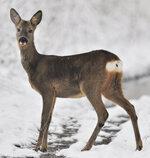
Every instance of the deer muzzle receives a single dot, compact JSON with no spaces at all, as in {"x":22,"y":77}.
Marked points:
{"x":23,"y":41}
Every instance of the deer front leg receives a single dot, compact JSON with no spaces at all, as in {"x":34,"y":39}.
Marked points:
{"x":48,"y":105}
{"x":45,"y":135}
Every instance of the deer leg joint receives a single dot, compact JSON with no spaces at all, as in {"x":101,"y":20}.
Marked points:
{"x":100,"y":124}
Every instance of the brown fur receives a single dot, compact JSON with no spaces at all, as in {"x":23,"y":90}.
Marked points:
{"x":70,"y":77}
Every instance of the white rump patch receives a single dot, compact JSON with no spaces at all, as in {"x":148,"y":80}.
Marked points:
{"x":115,"y":66}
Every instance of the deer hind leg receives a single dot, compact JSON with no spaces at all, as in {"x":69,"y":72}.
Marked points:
{"x":48,"y":105}
{"x":102,"y":114}
{"x":114,"y":93}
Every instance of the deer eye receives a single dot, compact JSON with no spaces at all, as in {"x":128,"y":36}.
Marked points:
{"x":18,"y":29}
{"x":30,"y":31}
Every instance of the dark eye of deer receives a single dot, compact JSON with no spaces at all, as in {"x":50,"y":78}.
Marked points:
{"x":18,"y":29}
{"x":30,"y":31}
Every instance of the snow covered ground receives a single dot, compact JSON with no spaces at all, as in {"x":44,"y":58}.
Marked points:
{"x":20,"y":109}
{"x":123,"y":144}
{"x":71,"y":27}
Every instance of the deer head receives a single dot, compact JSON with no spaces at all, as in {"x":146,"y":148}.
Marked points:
{"x":25,"y":29}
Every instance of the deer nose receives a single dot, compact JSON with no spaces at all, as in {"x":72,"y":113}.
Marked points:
{"x":23,"y":41}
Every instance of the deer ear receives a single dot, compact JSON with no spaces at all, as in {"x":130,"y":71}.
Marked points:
{"x":36,"y":18}
{"x":15,"y":17}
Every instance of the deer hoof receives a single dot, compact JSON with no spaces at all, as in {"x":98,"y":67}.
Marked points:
{"x":86,"y":148}
{"x":139,"y":146}
{"x":37,"y":148}
{"x":43,"y":149}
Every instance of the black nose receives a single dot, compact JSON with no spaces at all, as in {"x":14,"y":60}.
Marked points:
{"x":23,"y":40}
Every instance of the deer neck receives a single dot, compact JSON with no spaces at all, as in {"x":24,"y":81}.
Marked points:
{"x":29,"y":58}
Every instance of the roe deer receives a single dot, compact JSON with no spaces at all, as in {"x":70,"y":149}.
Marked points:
{"x":89,"y":74}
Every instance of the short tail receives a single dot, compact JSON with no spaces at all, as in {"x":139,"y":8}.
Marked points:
{"x":114,"y":66}
{"x":114,"y":76}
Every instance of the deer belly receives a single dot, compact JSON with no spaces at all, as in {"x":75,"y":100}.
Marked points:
{"x":68,"y":94}
{"x":68,"y":90}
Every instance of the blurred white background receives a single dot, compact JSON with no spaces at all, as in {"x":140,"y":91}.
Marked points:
{"x":76,"y":26}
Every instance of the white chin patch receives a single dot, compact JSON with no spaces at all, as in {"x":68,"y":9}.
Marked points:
{"x":114,"y":66}
{"x":22,"y":44}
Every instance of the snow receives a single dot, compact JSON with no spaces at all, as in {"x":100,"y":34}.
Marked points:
{"x":16,"y":117}
{"x":123,"y":145}
{"x":20,"y":109}
{"x":71,"y":27}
